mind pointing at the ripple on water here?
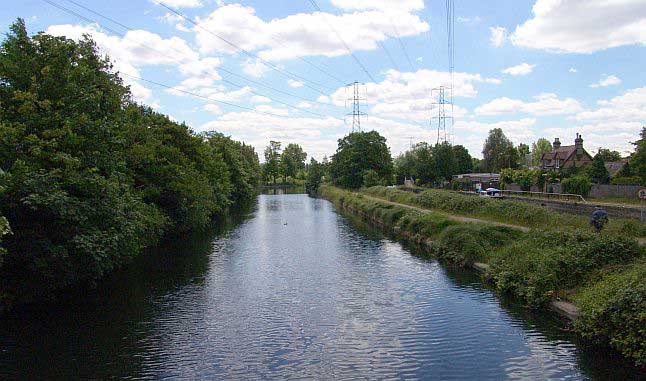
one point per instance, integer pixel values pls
(296, 291)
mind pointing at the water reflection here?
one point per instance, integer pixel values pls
(293, 291)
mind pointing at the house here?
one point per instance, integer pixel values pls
(614, 167)
(566, 156)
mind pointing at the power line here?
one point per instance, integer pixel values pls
(214, 100)
(219, 67)
(246, 52)
(392, 61)
(356, 59)
(179, 62)
(301, 58)
(401, 44)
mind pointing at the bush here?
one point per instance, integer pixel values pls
(371, 178)
(535, 268)
(577, 185)
(632, 180)
(613, 311)
(467, 243)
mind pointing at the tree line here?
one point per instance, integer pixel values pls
(88, 177)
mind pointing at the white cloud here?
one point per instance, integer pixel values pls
(303, 34)
(522, 69)
(260, 99)
(304, 105)
(408, 5)
(295, 84)
(573, 70)
(629, 107)
(407, 95)
(498, 36)
(544, 104)
(213, 108)
(518, 131)
(607, 80)
(136, 49)
(181, 3)
(323, 99)
(469, 20)
(575, 26)
(317, 136)
(255, 68)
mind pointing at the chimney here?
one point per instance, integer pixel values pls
(557, 143)
(578, 144)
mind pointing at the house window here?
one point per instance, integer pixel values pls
(558, 163)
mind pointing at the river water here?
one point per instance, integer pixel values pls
(294, 290)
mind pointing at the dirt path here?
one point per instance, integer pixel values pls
(449, 216)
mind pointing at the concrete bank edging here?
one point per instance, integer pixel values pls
(563, 308)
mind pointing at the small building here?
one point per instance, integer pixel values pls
(614, 167)
(566, 156)
(486, 180)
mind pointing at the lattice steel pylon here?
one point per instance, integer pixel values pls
(356, 106)
(439, 93)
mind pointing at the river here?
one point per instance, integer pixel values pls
(293, 290)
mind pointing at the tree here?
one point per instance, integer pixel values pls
(540, 147)
(444, 159)
(463, 160)
(608, 155)
(498, 151)
(89, 178)
(597, 171)
(577, 185)
(358, 152)
(523, 152)
(292, 160)
(315, 172)
(272, 160)
(638, 158)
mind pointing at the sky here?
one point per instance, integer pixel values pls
(278, 70)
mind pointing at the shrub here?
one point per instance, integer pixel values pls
(632, 180)
(613, 311)
(371, 178)
(467, 243)
(577, 185)
(535, 268)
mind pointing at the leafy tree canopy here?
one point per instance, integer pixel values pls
(359, 152)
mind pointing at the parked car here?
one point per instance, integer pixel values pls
(490, 192)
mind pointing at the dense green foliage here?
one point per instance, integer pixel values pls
(505, 210)
(535, 268)
(89, 178)
(614, 311)
(499, 152)
(429, 164)
(271, 167)
(315, 174)
(357, 153)
(638, 158)
(577, 185)
(292, 160)
(608, 155)
(597, 171)
(539, 147)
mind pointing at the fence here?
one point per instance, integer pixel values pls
(597, 191)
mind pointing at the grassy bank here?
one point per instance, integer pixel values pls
(508, 211)
(602, 274)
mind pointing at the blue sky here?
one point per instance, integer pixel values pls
(540, 68)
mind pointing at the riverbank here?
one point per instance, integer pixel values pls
(601, 274)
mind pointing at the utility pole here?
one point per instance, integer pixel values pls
(356, 106)
(439, 93)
